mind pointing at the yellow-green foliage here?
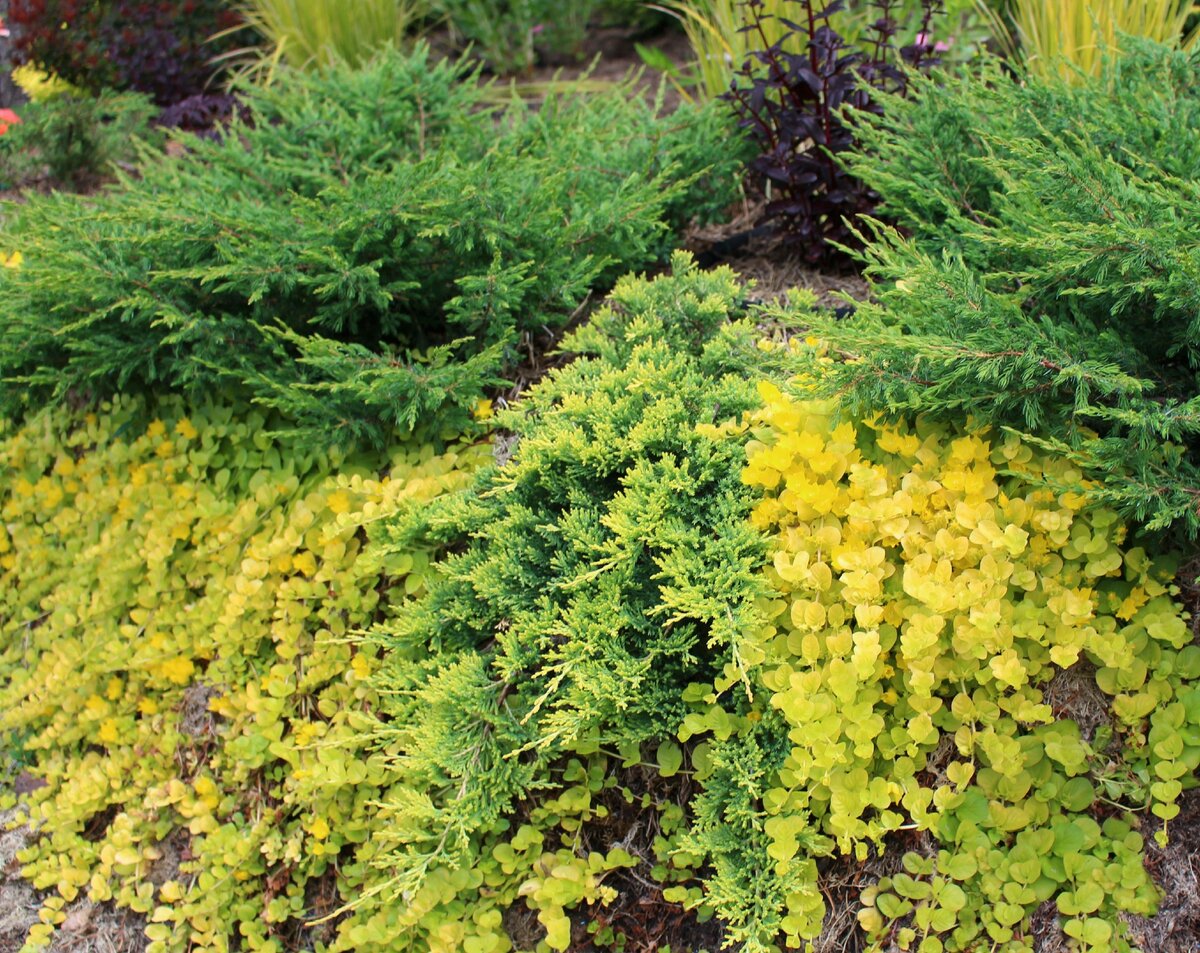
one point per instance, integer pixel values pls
(1061, 37)
(312, 34)
(937, 609)
(547, 860)
(180, 595)
(39, 85)
(178, 601)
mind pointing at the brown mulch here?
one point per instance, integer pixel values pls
(756, 252)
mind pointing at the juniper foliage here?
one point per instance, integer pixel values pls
(1044, 271)
(587, 581)
(73, 139)
(367, 248)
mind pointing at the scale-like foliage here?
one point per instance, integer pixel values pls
(588, 580)
(366, 249)
(1046, 276)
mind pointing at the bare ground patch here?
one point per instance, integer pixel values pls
(87, 928)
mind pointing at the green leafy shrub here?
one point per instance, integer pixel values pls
(178, 596)
(364, 252)
(507, 34)
(74, 139)
(1045, 276)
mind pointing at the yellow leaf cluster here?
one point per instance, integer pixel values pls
(180, 594)
(929, 586)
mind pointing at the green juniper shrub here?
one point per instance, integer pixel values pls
(364, 250)
(585, 582)
(1044, 272)
(73, 140)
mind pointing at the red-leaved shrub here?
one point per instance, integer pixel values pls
(158, 47)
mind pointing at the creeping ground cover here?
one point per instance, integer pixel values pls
(934, 606)
(178, 596)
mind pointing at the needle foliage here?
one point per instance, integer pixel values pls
(366, 249)
(1044, 272)
(604, 566)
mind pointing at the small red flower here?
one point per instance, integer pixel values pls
(7, 118)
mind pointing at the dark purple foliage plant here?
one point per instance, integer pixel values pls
(790, 96)
(163, 48)
(205, 114)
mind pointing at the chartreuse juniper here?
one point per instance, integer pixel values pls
(362, 253)
(603, 567)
